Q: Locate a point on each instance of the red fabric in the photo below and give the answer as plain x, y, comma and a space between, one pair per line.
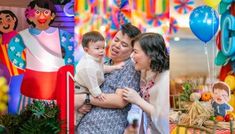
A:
224, 71
62, 98
39, 85
6, 61
146, 86
6, 37
232, 9
218, 40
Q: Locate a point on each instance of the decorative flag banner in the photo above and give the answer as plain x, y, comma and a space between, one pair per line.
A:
173, 25
183, 6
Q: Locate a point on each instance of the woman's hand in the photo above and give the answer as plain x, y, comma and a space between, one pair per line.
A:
131, 95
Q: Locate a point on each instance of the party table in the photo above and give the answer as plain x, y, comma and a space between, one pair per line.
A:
190, 131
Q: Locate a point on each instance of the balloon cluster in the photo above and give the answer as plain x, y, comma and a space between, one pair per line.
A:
225, 42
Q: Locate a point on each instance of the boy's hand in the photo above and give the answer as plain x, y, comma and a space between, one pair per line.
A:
84, 109
101, 97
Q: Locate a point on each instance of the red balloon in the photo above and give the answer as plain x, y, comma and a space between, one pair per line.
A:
232, 9
218, 40
224, 71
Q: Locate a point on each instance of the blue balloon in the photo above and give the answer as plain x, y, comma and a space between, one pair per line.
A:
204, 22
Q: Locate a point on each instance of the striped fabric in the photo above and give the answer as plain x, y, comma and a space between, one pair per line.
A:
6, 61
24, 101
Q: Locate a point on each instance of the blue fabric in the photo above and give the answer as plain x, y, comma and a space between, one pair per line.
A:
220, 109
111, 121
14, 93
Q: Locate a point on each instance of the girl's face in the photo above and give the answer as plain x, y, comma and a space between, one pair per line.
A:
141, 60
41, 18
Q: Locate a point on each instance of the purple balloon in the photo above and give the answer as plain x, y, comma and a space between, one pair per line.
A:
4, 72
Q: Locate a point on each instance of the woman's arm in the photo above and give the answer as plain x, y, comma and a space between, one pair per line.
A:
132, 96
145, 106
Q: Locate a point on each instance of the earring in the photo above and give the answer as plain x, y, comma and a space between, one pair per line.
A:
52, 18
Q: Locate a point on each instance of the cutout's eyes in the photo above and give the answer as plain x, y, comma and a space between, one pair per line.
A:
8, 20
46, 12
37, 12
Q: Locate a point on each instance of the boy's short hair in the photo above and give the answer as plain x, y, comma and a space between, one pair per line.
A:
92, 36
221, 86
129, 29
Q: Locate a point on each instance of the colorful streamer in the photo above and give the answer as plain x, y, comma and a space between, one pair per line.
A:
173, 25
183, 6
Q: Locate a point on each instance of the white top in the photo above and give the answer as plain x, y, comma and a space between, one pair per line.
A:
90, 74
159, 98
43, 54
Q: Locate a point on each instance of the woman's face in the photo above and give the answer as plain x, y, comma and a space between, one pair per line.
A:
141, 60
42, 17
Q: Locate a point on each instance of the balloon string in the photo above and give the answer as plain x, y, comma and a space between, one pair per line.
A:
208, 64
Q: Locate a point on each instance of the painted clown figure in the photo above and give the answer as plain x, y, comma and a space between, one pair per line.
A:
47, 49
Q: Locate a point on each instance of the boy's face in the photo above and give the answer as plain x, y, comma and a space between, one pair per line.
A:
7, 23
41, 18
96, 49
220, 96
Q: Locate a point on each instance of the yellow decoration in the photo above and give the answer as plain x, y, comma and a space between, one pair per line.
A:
3, 106
3, 81
3, 94
232, 101
230, 80
182, 130
212, 3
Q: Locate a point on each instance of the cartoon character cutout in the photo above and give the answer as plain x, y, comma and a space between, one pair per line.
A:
8, 24
47, 49
221, 96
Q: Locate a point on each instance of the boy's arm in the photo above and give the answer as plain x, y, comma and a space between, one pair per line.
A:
110, 68
88, 76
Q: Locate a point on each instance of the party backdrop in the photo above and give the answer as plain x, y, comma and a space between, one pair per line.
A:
106, 16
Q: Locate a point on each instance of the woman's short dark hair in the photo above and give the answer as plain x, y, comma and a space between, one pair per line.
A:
47, 4
92, 36
12, 15
154, 47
